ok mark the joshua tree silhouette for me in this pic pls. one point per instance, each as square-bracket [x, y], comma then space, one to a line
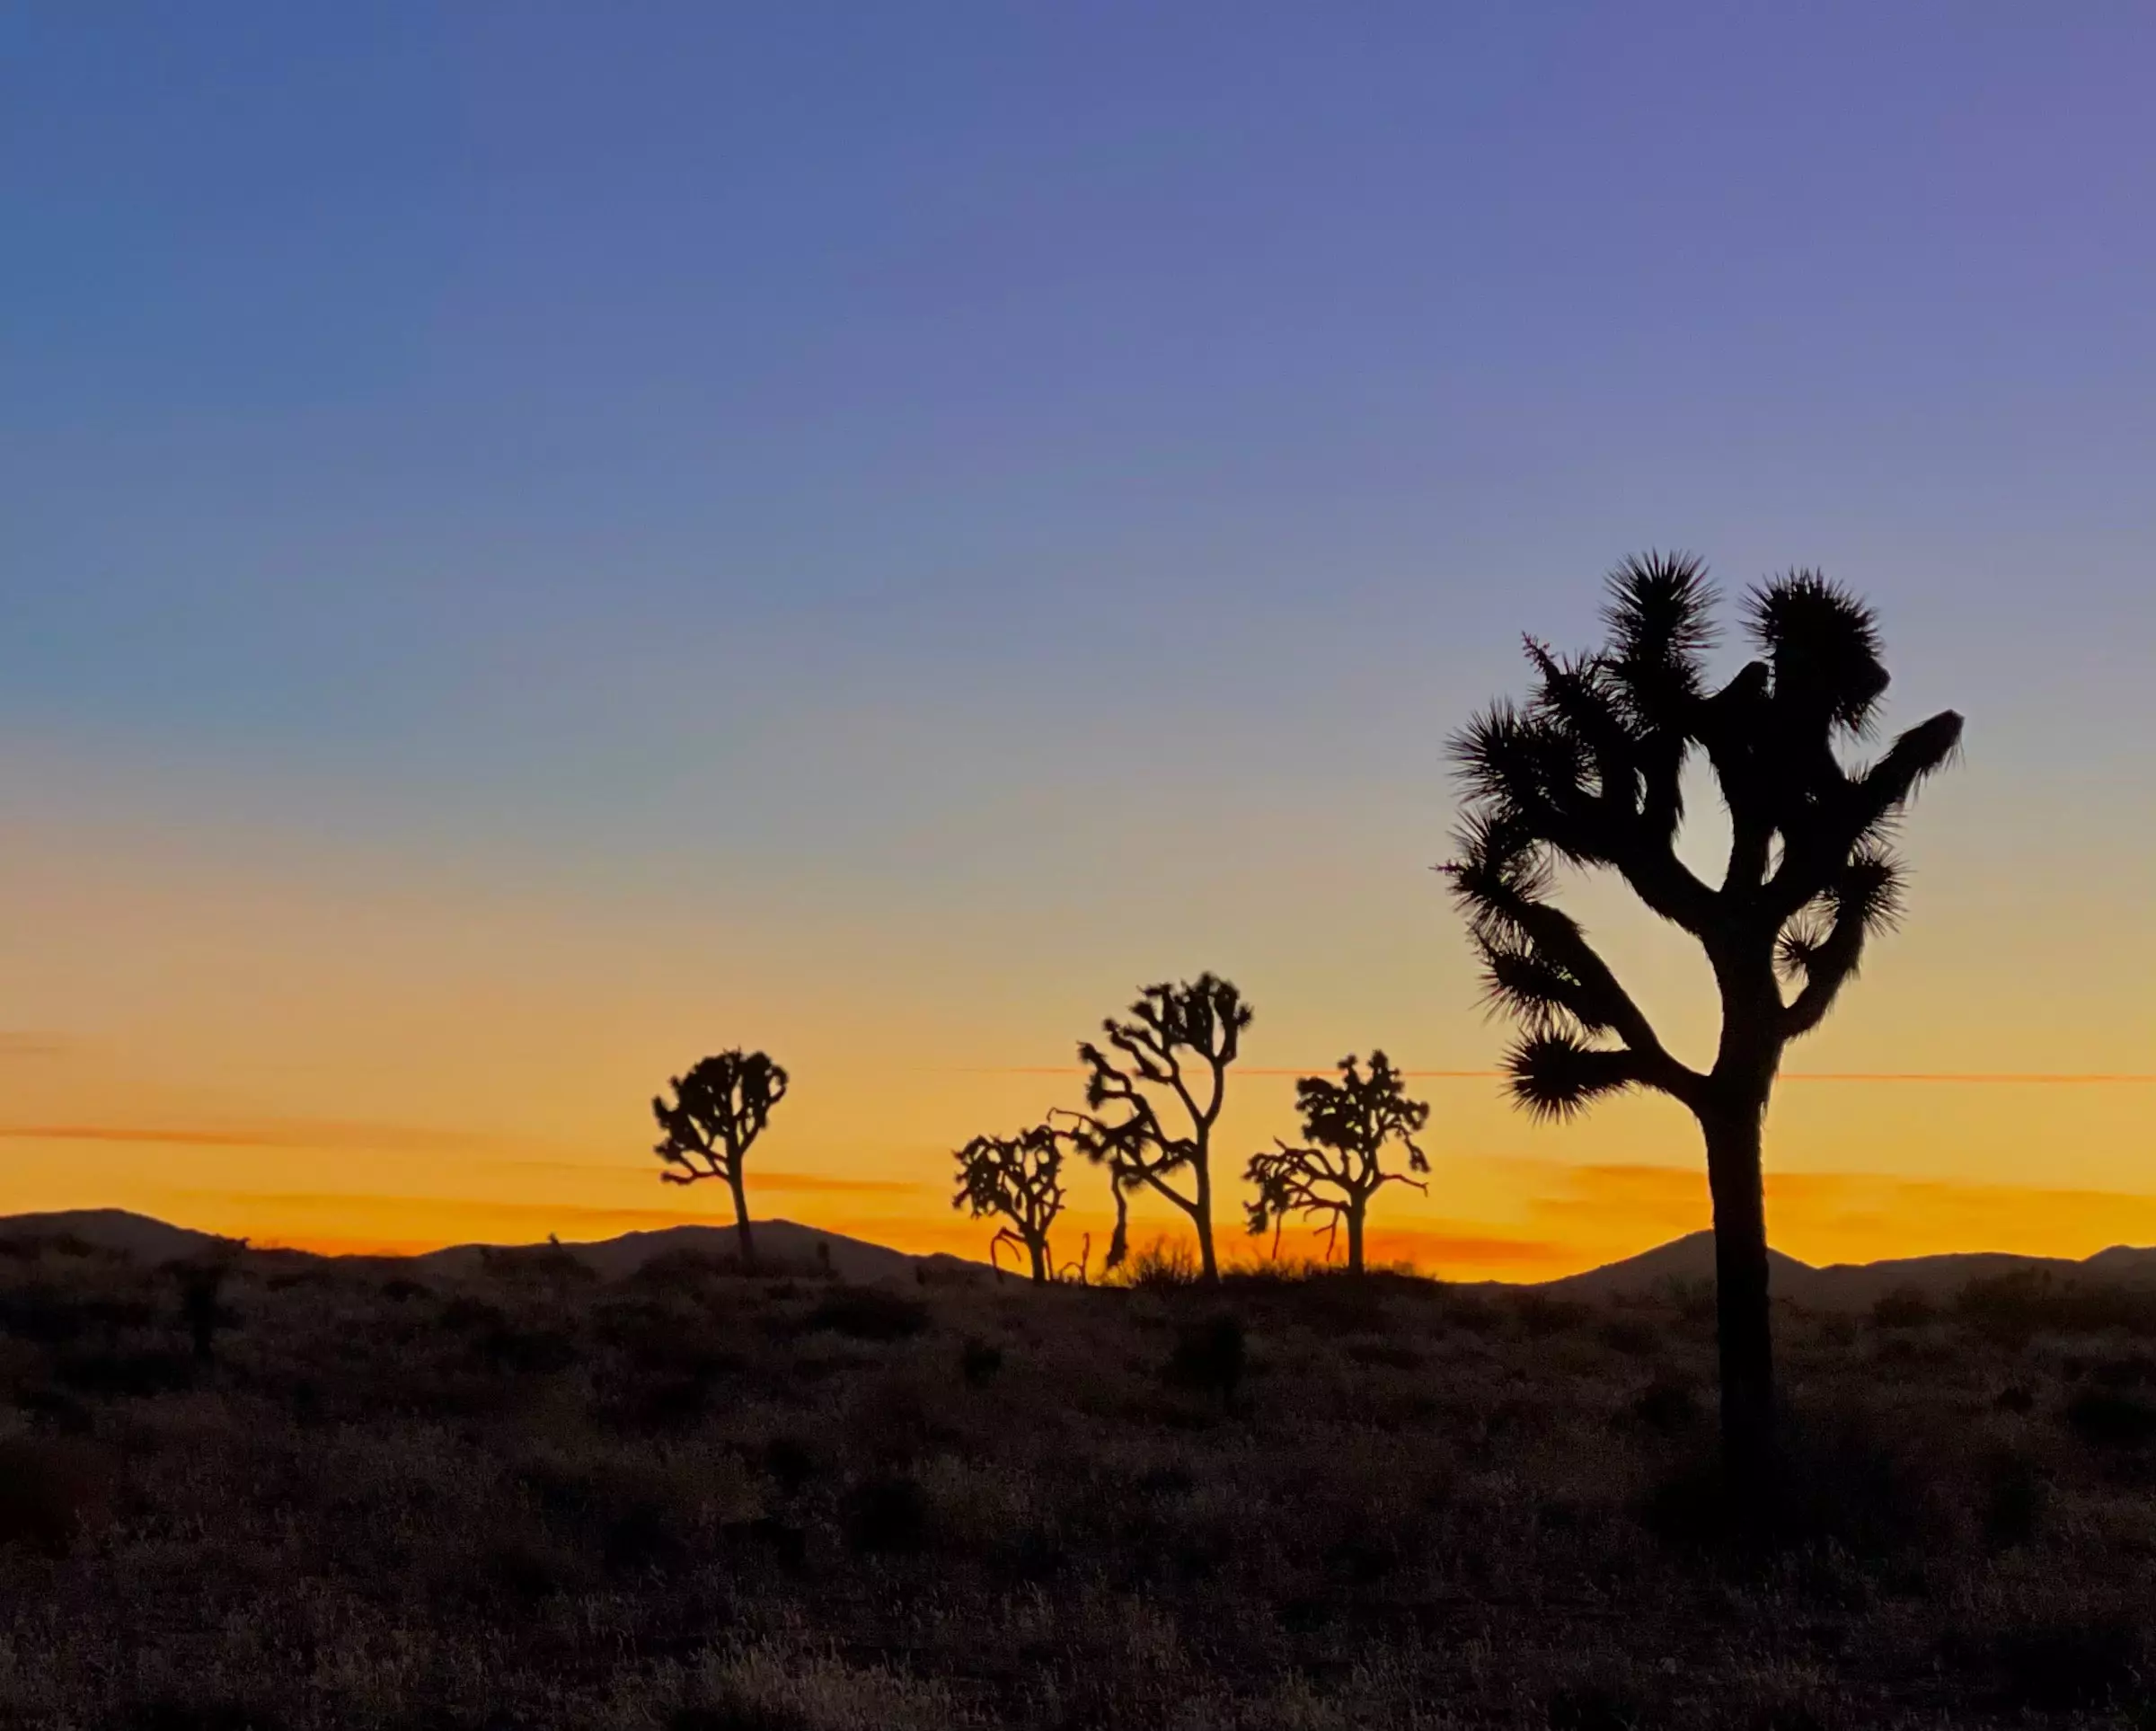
[719, 1108]
[1588, 773]
[1346, 1126]
[1019, 1178]
[1199, 1020]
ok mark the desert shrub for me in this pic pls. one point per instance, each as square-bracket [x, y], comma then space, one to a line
[38, 1314]
[138, 1374]
[2132, 1371]
[1630, 1334]
[172, 1713]
[397, 1289]
[2015, 1496]
[979, 1362]
[51, 1493]
[1840, 1484]
[767, 1537]
[2111, 1419]
[1390, 1354]
[2008, 1308]
[1164, 1264]
[2059, 1666]
[682, 1270]
[1542, 1316]
[885, 1515]
[537, 1265]
[1667, 1407]
[1902, 1308]
[791, 1463]
[870, 1313]
[2015, 1397]
[465, 1312]
[1210, 1356]
[1595, 1707]
[527, 1351]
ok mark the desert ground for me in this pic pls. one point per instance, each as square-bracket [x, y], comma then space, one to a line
[520, 1494]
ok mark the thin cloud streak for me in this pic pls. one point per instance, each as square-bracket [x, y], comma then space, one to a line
[323, 1134]
[2056, 1079]
[803, 1183]
[31, 1043]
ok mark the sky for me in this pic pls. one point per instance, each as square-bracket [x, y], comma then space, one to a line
[538, 543]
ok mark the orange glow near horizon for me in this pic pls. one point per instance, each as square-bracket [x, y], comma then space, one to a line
[319, 1051]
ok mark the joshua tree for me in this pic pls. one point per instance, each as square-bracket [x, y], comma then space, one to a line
[1019, 1178]
[1588, 773]
[1173, 1028]
[1346, 1126]
[720, 1109]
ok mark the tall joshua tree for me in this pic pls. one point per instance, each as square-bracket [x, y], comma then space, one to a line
[1346, 1127]
[1175, 1034]
[1019, 1178]
[718, 1110]
[1588, 773]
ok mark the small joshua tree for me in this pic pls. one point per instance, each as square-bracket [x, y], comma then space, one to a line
[1174, 1031]
[1588, 774]
[718, 1110]
[1019, 1178]
[1346, 1126]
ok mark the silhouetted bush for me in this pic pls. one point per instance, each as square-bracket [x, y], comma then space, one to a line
[464, 1313]
[1595, 1707]
[1163, 1265]
[2109, 1418]
[51, 1492]
[1902, 1308]
[1667, 1407]
[1210, 1356]
[168, 1714]
[138, 1374]
[2058, 1667]
[2009, 1308]
[2015, 1494]
[527, 1351]
[886, 1515]
[791, 1463]
[1542, 1316]
[980, 1363]
[1630, 1334]
[870, 1313]
[49, 1317]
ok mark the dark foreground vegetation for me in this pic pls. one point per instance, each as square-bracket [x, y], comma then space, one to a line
[335, 1495]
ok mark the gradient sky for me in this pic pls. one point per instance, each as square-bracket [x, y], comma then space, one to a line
[539, 542]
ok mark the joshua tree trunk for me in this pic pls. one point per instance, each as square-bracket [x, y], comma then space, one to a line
[1202, 1216]
[748, 1239]
[1039, 1248]
[1355, 1238]
[1743, 1322]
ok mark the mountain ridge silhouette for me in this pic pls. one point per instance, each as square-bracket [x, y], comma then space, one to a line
[786, 1243]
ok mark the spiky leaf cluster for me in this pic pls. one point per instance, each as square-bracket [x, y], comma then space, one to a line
[1588, 773]
[719, 1108]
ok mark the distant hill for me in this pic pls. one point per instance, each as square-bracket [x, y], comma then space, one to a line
[782, 1241]
[1687, 1260]
[1849, 1286]
[1682, 1259]
[110, 1229]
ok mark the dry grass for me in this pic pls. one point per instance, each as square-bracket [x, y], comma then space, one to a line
[699, 1500]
